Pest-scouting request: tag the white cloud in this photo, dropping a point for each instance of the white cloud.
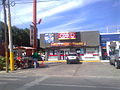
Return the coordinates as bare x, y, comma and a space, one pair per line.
68, 29
68, 26
63, 5
77, 20
45, 9
58, 9
51, 19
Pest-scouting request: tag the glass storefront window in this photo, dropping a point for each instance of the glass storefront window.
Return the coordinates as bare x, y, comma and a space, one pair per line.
91, 50
53, 55
55, 52
82, 51
51, 52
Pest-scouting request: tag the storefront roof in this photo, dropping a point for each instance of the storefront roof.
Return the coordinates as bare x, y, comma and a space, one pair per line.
22, 47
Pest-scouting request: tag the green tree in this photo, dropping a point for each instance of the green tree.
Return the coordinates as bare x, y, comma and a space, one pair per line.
1, 31
20, 36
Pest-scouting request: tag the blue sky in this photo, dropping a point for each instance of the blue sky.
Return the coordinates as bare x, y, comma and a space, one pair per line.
69, 15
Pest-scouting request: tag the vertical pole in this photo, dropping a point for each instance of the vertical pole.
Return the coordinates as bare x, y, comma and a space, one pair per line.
34, 23
10, 38
6, 38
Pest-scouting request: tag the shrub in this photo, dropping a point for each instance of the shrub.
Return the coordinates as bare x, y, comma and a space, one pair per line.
2, 62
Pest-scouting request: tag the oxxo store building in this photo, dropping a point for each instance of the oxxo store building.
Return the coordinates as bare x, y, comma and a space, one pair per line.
58, 45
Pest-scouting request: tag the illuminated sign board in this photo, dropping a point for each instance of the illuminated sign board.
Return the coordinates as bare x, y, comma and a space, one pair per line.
67, 35
69, 44
49, 38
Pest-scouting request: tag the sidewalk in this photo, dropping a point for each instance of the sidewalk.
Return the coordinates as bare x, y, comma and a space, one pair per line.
4, 72
50, 63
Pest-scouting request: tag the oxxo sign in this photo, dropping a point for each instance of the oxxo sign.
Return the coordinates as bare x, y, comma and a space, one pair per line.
66, 35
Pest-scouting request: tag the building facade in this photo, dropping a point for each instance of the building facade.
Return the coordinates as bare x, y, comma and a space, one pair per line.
58, 45
105, 40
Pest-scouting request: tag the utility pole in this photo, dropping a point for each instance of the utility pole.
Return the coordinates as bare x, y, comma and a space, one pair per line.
6, 38
34, 23
10, 37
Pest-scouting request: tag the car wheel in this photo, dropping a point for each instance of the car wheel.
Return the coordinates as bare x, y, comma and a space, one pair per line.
110, 63
116, 65
68, 62
78, 62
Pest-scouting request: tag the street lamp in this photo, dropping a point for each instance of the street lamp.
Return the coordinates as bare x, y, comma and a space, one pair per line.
32, 35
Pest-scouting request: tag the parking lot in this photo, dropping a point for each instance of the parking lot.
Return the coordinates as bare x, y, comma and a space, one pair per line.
86, 69
57, 76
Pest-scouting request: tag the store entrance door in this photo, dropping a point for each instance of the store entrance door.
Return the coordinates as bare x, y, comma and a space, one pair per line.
64, 53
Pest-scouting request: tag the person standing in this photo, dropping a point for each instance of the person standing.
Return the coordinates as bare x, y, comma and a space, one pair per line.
35, 57
42, 56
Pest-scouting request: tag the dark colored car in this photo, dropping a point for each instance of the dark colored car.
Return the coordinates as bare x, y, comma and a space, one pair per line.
115, 59
73, 58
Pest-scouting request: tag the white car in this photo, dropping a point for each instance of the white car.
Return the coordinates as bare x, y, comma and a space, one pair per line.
73, 58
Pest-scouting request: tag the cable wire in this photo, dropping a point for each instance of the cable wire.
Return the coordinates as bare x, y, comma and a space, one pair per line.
13, 3
19, 19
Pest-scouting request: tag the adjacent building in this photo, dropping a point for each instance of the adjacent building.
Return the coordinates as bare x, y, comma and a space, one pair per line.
106, 39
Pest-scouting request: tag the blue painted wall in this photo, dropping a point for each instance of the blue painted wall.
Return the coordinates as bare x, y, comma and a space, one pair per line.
109, 37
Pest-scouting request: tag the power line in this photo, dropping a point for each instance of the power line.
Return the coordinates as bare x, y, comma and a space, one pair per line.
18, 19
13, 3
14, 18
37, 1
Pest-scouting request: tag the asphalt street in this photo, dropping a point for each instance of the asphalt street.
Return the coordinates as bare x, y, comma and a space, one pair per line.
58, 76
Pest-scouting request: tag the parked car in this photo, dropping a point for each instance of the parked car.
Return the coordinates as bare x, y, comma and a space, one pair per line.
73, 58
115, 59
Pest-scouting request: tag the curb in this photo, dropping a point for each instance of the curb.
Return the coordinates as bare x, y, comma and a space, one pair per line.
80, 61
2, 72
